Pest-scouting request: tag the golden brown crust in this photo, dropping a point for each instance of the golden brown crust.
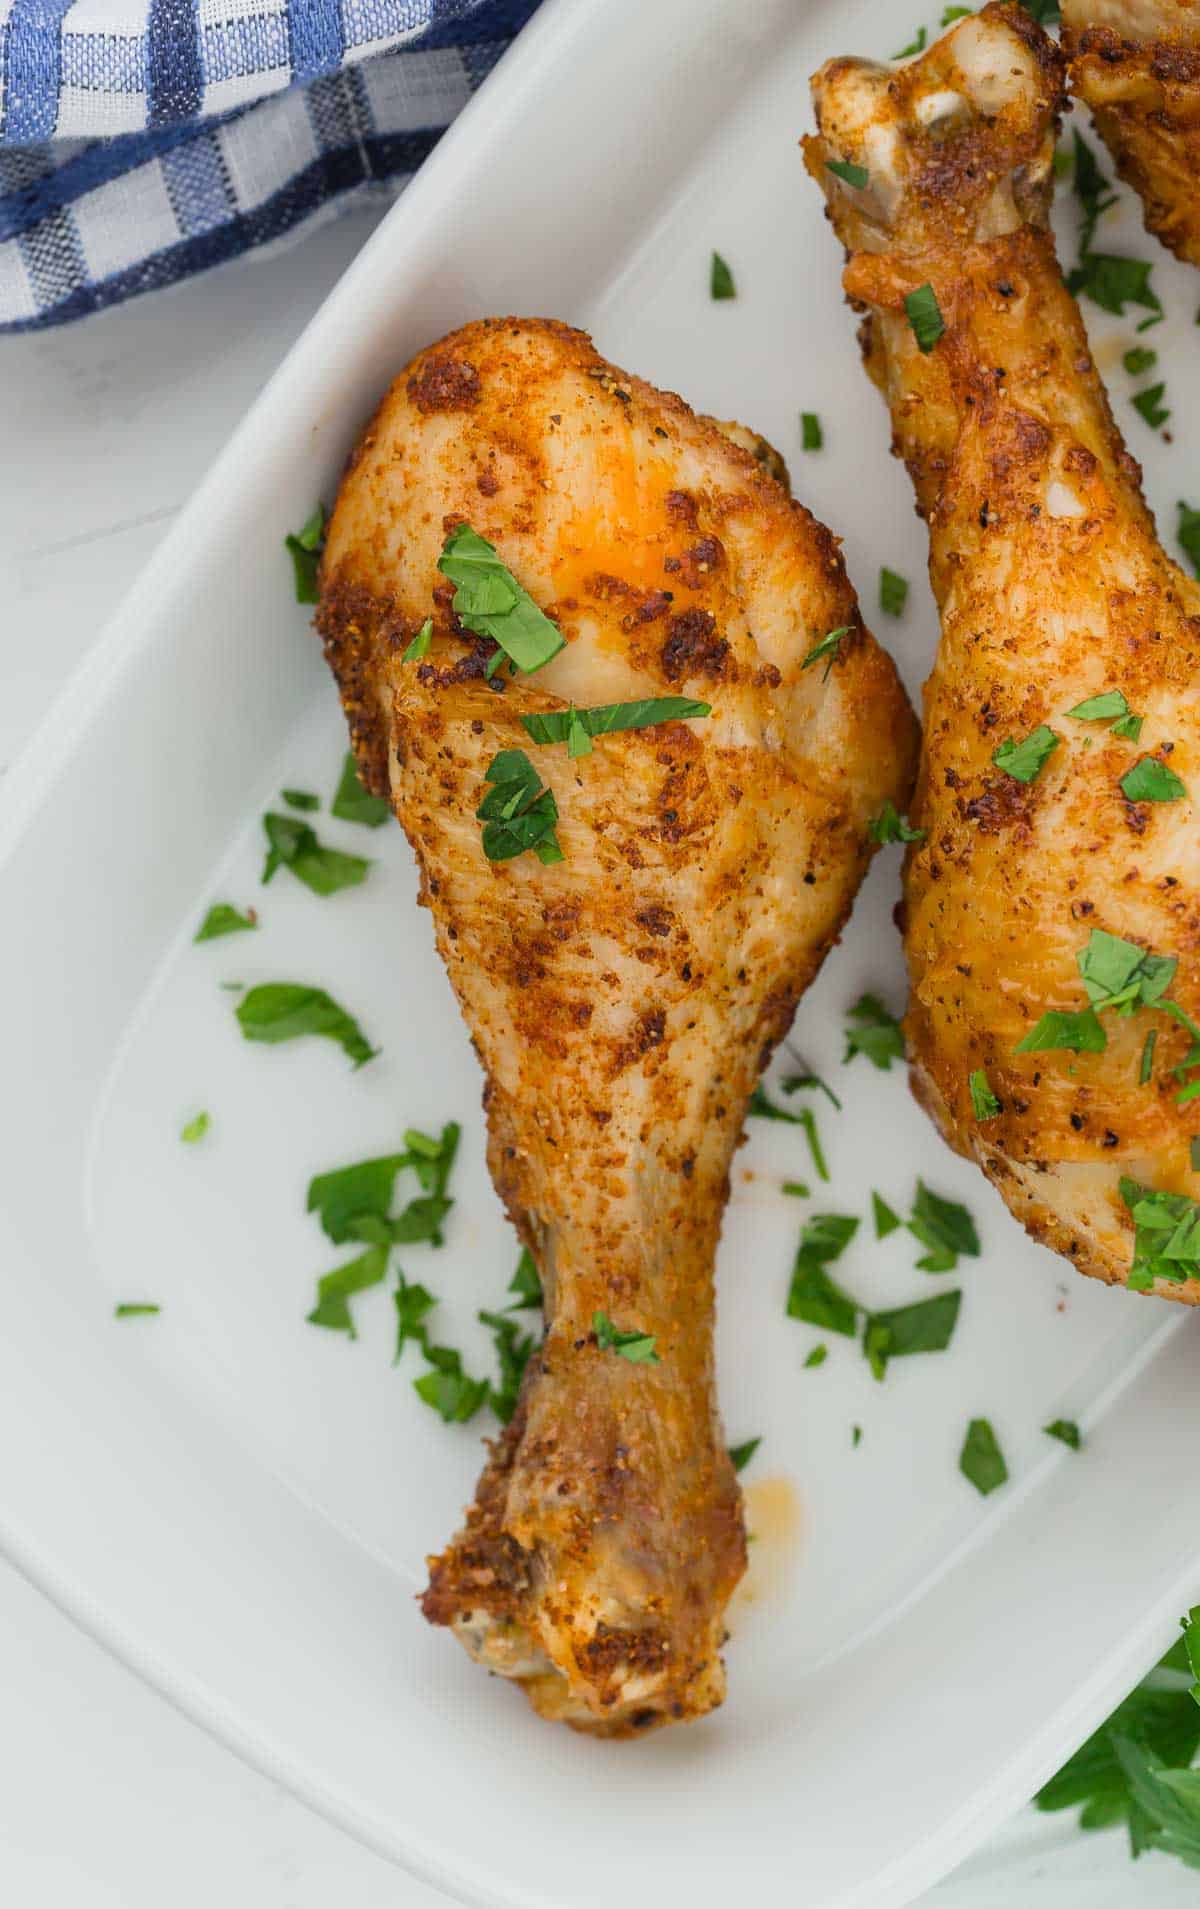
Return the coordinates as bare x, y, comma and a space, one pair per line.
621, 1001
1052, 588
1140, 76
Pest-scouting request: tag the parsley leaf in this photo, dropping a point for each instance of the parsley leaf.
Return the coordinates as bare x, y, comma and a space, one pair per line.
1065, 1431
305, 546
300, 799
720, 280
1112, 283
352, 803
1166, 1238
348, 1196
761, 1108
925, 317
1151, 780
1094, 192
637, 1347
285, 1010
817, 1356
1045, 12
525, 1283
195, 1129
413, 1304
1100, 708
1025, 760
812, 437
223, 919
927, 1326
981, 1461
1168, 1799
1075, 1033
512, 1348
1138, 360
885, 1220
813, 1296
740, 1455
794, 1083
517, 812
875, 1032
917, 45
950, 14
446, 1387
135, 1309
1188, 532
984, 1105
1146, 1064
890, 826
293, 845
419, 646
489, 601
555, 725
945, 1227
1118, 974
853, 175
829, 647
335, 1289
1149, 405
893, 591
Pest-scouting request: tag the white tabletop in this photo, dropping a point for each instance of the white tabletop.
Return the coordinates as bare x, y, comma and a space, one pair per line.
108, 1795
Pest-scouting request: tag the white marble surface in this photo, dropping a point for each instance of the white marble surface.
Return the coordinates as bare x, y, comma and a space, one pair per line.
109, 1796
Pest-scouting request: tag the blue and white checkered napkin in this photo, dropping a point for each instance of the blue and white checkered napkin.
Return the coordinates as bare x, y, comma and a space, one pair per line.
143, 140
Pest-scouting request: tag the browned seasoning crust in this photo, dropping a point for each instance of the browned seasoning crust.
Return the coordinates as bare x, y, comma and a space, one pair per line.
622, 1001
1136, 64
1052, 588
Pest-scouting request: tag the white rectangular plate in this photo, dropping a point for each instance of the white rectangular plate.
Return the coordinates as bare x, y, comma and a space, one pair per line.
239, 1504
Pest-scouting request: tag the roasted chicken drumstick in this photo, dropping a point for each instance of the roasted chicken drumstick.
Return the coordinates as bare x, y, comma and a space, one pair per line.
1052, 908
1136, 64
623, 998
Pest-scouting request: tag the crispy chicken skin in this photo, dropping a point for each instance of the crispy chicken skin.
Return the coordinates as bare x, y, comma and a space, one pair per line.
1136, 64
1052, 589
623, 1001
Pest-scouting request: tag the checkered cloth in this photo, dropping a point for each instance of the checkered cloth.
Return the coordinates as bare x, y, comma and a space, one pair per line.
143, 140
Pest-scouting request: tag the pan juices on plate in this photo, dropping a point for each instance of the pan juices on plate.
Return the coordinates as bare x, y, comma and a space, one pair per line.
618, 690
1052, 910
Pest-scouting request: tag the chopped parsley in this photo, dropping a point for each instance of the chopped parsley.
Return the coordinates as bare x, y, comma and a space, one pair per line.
944, 1227
556, 725
451, 1393
305, 547
890, 826
916, 45
223, 919
1112, 283
1146, 1064
951, 14
135, 1309
925, 317
1093, 190
740, 1455
1110, 707
1138, 360
1025, 760
1166, 1239
1151, 780
829, 647
1188, 532
1065, 1431
885, 1220
981, 1461
517, 812
419, 646
352, 803
796, 1083
1134, 1768
852, 175
294, 845
798, 1189
525, 1284
1056, 1031
1045, 12
720, 279
875, 1032
811, 436
855, 1437
1149, 405
927, 1326
637, 1347
413, 1304
984, 1105
817, 1356
813, 1296
512, 1348
301, 799
195, 1129
489, 601
1118, 974
893, 591
336, 1289
759, 1107
286, 1010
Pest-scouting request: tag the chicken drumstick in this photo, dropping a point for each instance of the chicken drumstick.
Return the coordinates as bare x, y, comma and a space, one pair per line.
1052, 910
624, 992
